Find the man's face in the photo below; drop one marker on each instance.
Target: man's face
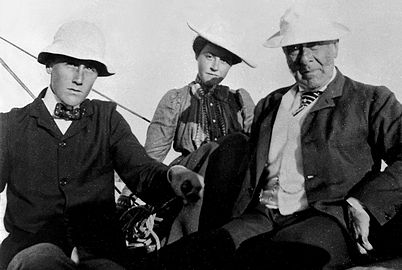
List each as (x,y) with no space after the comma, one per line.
(213,64)
(71,79)
(312,63)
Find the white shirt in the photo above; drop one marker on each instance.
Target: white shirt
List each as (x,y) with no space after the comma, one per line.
(50,100)
(285,161)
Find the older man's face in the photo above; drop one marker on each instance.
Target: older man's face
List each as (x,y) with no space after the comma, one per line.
(312,63)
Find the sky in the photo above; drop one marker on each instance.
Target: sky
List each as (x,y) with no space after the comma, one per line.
(149,45)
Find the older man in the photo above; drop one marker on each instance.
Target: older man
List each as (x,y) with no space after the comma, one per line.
(313,183)
(58,156)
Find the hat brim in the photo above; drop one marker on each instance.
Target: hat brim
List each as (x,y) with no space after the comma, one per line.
(221,43)
(103,71)
(336,31)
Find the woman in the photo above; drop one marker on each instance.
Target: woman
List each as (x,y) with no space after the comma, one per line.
(197,116)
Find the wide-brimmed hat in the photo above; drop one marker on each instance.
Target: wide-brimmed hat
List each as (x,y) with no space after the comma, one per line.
(80,40)
(221,34)
(305,24)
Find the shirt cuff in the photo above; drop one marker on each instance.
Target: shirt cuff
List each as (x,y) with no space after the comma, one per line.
(355,203)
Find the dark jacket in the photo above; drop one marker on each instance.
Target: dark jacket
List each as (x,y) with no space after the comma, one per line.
(60,188)
(344,137)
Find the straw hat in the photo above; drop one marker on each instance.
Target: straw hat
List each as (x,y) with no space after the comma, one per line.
(221,34)
(81,40)
(305,24)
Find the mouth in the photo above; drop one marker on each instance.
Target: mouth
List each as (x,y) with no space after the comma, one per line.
(74,90)
(307,73)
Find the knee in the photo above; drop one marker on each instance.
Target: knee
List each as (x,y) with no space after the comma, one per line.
(41,256)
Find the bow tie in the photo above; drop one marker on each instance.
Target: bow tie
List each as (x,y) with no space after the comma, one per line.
(66,112)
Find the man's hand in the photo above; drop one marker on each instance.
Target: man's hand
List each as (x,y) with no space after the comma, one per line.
(186,183)
(359,223)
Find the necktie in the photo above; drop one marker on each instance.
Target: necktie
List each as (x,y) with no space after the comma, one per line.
(306,99)
(66,112)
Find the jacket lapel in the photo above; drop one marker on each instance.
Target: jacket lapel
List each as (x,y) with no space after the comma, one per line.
(43,118)
(326,100)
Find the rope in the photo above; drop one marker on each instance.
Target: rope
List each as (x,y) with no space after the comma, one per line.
(16,78)
(33,96)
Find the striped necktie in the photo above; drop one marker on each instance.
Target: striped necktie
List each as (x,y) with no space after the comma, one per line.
(306,99)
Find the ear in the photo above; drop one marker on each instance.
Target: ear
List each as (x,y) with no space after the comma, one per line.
(49,69)
(335,48)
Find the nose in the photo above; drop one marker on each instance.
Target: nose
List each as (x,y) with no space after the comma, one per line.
(215,64)
(305,55)
(79,75)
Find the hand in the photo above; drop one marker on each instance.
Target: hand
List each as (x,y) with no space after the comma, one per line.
(74,256)
(359,223)
(186,183)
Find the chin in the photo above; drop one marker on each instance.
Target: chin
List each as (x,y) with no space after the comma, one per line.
(213,81)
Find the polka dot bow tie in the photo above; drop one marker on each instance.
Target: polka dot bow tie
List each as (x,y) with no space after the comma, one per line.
(306,99)
(66,112)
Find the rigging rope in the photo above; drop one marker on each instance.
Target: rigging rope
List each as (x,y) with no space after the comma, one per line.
(33,96)
(16,78)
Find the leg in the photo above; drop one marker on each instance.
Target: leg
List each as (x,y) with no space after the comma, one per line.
(100,264)
(199,251)
(257,252)
(300,242)
(320,231)
(223,180)
(41,256)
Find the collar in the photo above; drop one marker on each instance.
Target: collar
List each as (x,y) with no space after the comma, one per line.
(50,100)
(218,91)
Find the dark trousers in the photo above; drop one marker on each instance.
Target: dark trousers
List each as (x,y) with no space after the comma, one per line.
(304,240)
(307,240)
(49,256)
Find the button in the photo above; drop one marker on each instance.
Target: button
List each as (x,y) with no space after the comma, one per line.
(211,104)
(250,191)
(215,139)
(64,181)
(310,177)
(62,144)
(213,121)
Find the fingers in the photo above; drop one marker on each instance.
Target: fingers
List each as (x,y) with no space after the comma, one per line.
(359,222)
(191,194)
(186,183)
(366,244)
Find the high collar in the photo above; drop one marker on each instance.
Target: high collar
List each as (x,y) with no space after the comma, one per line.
(199,90)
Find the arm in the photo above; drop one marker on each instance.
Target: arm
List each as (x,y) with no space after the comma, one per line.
(162,128)
(4,167)
(144,175)
(247,110)
(379,194)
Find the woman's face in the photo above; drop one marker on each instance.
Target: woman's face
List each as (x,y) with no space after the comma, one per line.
(214,63)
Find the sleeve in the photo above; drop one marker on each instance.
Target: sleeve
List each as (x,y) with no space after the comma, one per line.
(247,110)
(4,166)
(142,174)
(161,130)
(381,193)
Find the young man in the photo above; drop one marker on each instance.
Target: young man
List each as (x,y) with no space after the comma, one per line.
(58,156)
